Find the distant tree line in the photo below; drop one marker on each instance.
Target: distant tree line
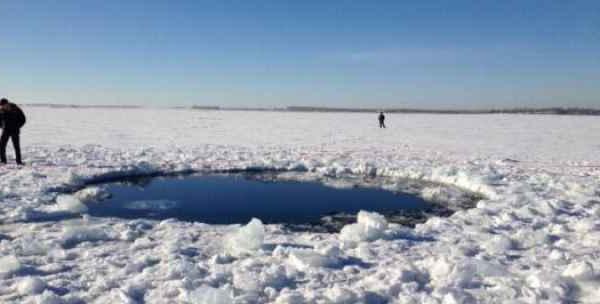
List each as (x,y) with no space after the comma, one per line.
(553,111)
(521,110)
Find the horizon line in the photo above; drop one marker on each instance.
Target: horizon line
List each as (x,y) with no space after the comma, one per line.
(293,108)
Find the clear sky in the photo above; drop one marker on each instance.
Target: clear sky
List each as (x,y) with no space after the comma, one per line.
(426,54)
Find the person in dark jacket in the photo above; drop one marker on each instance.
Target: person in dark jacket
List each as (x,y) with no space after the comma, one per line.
(381,120)
(12,119)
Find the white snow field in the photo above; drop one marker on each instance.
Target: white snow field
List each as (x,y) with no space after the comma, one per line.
(534,239)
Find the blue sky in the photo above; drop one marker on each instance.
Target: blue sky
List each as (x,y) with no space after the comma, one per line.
(426,54)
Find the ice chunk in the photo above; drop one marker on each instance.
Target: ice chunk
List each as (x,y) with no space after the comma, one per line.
(73,235)
(341,295)
(364,252)
(339,183)
(330,250)
(458,297)
(247,239)
(9,265)
(466,273)
(151,205)
(246,280)
(440,269)
(548,285)
(254,280)
(372,220)
(498,244)
(31,285)
(437,194)
(71,204)
(587,225)
(181,269)
(579,270)
(293,297)
(48,297)
(369,226)
(221,259)
(275,276)
(209,295)
(557,254)
(91,194)
(30,246)
(306,258)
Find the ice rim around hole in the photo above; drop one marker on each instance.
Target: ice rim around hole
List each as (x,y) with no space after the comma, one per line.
(443,199)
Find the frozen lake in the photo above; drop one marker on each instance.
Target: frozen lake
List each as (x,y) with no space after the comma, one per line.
(532,238)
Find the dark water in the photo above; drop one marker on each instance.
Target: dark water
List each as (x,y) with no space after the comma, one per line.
(227,199)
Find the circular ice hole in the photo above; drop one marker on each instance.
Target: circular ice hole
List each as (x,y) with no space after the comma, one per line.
(237,198)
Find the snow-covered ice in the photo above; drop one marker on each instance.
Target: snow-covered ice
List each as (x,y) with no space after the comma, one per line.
(534,238)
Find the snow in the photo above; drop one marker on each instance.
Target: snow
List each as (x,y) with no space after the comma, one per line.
(533,238)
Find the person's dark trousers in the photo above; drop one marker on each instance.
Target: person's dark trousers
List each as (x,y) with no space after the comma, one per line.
(14,136)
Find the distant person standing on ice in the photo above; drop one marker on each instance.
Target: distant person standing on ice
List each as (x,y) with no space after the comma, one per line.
(12,119)
(381,120)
